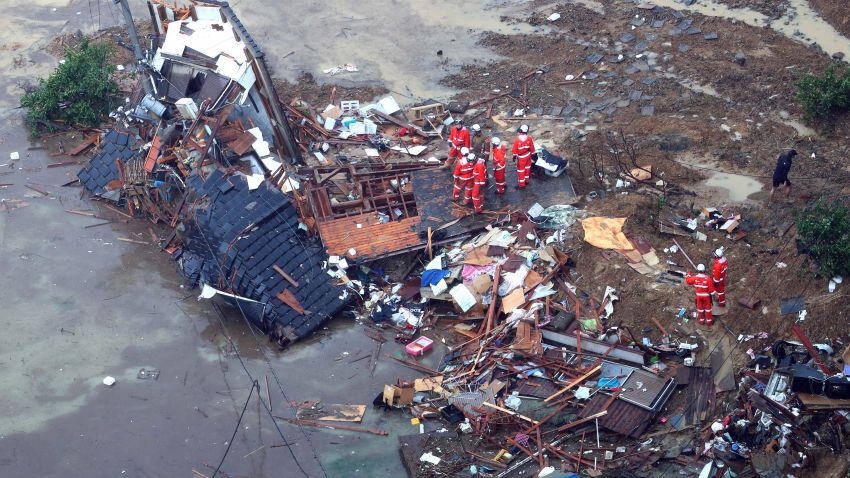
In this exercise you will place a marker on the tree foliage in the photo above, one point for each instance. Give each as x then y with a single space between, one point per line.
824 230
80 91
824 95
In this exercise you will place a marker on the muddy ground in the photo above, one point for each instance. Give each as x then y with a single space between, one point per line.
80 304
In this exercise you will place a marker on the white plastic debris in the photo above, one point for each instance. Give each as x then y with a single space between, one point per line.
546 471
582 393
781 265
346 68
513 401
430 458
570 77
14 156
109 381
554 17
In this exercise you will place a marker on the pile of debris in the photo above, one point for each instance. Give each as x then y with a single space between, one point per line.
283 209
537 378
255 203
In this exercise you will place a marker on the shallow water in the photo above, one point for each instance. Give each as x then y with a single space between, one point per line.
800 18
77 305
737 187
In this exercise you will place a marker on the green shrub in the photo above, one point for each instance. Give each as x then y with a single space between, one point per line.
824 230
822 96
80 92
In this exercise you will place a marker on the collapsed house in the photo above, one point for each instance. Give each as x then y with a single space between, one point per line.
272 206
205 146
202 151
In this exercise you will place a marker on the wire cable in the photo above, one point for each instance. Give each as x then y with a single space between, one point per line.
254 386
274 374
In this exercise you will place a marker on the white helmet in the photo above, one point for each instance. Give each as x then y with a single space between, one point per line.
476 127
701 268
718 252
471 156
496 141
464 151
523 128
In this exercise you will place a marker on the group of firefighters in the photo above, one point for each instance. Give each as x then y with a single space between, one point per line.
470 155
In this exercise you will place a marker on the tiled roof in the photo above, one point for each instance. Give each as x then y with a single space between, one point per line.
241 234
102 168
371 239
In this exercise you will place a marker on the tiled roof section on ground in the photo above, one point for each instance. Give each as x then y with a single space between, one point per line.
102 168
242 234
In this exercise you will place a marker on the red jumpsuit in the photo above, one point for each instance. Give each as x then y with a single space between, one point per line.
463 180
720 264
458 138
479 184
499 167
522 150
704 287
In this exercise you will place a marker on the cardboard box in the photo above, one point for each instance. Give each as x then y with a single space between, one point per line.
398 395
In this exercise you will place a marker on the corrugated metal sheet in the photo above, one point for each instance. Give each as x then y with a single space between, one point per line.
537 387
366 235
644 389
622 417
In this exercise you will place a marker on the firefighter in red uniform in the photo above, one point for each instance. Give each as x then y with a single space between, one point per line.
523 151
479 183
498 151
719 273
704 287
463 174
458 138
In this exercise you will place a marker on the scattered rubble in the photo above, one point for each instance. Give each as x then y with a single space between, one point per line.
291 209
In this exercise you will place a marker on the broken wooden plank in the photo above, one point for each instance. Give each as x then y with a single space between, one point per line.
574 383
578 422
311 423
63 163
87 142
81 213
285 275
510 412
98 224
40 191
127 239
334 412
287 297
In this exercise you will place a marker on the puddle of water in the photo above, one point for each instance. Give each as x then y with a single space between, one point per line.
811 25
696 87
802 130
801 18
739 187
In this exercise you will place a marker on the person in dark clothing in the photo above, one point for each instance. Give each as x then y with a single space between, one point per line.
780 174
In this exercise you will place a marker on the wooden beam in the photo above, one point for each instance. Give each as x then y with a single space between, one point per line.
510 412
578 422
333 426
574 383
285 275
